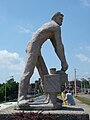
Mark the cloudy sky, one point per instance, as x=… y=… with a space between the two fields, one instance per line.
x=19 y=19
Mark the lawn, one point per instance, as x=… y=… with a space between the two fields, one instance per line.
x=84 y=100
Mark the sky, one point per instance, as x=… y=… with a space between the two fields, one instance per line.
x=19 y=19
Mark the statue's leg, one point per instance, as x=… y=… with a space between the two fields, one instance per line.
x=31 y=59
x=41 y=66
x=42 y=69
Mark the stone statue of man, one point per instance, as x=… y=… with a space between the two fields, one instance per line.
x=52 y=31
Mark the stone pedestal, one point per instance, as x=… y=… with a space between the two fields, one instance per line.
x=67 y=113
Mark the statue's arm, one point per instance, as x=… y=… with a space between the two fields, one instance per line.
x=59 y=48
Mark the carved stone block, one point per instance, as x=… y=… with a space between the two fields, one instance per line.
x=53 y=83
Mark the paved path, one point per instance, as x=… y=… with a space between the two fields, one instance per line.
x=84 y=95
x=83 y=106
x=6 y=105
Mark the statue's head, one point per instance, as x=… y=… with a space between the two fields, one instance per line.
x=58 y=18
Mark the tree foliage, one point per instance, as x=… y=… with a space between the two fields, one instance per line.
x=85 y=83
x=11 y=87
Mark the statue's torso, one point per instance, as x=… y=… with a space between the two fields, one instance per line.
x=42 y=34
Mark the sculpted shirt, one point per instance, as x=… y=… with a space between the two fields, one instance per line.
x=47 y=31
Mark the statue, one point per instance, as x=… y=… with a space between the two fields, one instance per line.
x=52 y=31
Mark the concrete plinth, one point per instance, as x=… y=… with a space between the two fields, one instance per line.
x=67 y=113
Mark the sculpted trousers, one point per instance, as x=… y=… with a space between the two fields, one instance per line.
x=33 y=58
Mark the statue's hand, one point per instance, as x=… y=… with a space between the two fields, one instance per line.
x=64 y=67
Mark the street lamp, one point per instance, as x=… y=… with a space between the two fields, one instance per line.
x=6 y=88
x=81 y=87
x=75 y=82
x=84 y=81
x=5 y=92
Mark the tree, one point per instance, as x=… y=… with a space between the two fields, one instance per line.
x=85 y=83
x=11 y=90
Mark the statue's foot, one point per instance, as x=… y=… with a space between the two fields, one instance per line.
x=22 y=102
x=47 y=99
x=57 y=106
x=22 y=105
x=30 y=100
x=21 y=98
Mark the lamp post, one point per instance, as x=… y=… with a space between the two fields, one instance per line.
x=75 y=82
x=5 y=92
x=84 y=87
x=81 y=87
x=6 y=88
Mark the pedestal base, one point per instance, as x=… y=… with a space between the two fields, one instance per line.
x=42 y=106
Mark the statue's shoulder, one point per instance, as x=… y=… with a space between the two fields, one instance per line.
x=49 y=25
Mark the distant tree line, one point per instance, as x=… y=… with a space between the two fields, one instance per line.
x=11 y=88
x=85 y=83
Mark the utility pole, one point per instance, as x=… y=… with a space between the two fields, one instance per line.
x=5 y=92
x=84 y=87
x=75 y=82
x=81 y=87
x=6 y=89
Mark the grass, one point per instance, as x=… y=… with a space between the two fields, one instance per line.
x=83 y=100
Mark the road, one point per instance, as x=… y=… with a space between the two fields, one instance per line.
x=84 y=95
